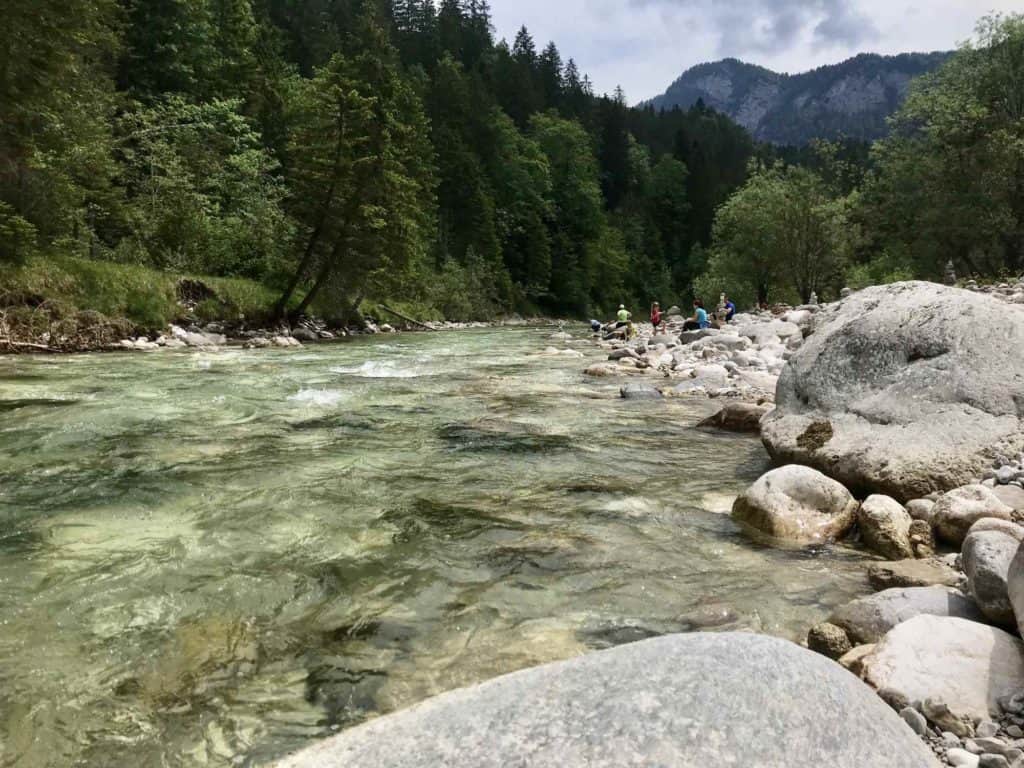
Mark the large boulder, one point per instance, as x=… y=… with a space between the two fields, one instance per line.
x=869 y=619
x=955 y=512
x=965 y=665
x=797 y=504
x=885 y=527
x=903 y=389
x=988 y=552
x=1015 y=587
x=677 y=701
x=737 y=417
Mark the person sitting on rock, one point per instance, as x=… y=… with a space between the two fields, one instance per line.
x=699 y=319
x=730 y=310
x=656 y=318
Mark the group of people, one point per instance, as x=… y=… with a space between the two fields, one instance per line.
x=700 y=319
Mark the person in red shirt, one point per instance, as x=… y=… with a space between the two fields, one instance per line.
x=656 y=316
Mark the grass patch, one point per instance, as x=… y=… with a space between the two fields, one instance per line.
x=148 y=298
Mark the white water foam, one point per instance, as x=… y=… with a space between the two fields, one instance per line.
x=381 y=369
x=318 y=397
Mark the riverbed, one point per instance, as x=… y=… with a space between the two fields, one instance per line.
x=215 y=558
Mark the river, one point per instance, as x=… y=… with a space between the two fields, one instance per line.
x=214 y=558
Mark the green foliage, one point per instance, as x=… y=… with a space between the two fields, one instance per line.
x=949 y=181
x=338 y=152
x=782 y=235
x=17 y=237
x=206 y=197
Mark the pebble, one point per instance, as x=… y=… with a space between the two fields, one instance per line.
x=915 y=720
x=962 y=759
x=986 y=729
x=1005 y=475
x=990 y=745
x=951 y=740
x=993 y=761
x=1015 y=732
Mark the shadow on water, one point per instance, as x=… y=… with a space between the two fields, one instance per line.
x=502 y=437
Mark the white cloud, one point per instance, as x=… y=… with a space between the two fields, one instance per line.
x=645 y=44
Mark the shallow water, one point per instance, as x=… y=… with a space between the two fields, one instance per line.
x=217 y=558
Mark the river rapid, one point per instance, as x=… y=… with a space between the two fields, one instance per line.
x=215 y=558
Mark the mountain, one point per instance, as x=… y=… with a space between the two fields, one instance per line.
x=851 y=99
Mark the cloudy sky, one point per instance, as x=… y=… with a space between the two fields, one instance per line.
x=645 y=44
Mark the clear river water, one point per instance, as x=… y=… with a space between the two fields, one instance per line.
x=215 y=558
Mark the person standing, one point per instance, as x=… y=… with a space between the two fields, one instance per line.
x=623 y=316
x=656 y=318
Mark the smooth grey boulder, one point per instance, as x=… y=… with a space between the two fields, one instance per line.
x=797 y=504
x=987 y=555
x=764 y=333
x=921 y=509
x=955 y=512
x=668 y=341
x=305 y=334
x=621 y=354
x=674 y=702
x=903 y=389
x=688 y=337
x=640 y=392
x=1015 y=587
x=1011 y=495
x=963 y=664
x=913 y=573
x=885 y=527
x=737 y=417
x=868 y=619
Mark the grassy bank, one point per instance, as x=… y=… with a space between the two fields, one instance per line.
x=148 y=299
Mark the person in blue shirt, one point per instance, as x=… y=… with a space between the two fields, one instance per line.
x=699 y=319
x=701 y=314
x=730 y=309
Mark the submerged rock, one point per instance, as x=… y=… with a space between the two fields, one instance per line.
x=797 y=504
x=913 y=573
x=681 y=700
x=640 y=392
x=903 y=389
x=737 y=417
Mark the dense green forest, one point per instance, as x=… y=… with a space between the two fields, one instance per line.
x=340 y=152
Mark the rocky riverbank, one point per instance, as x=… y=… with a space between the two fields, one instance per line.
x=894 y=418
x=897 y=423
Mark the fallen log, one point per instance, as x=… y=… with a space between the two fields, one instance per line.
x=404 y=317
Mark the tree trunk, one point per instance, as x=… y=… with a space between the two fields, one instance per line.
x=321 y=280
x=307 y=257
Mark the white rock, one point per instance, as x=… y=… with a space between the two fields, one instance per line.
x=797 y=504
x=964 y=664
x=955 y=512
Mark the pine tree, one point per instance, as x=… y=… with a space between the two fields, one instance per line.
x=549 y=69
